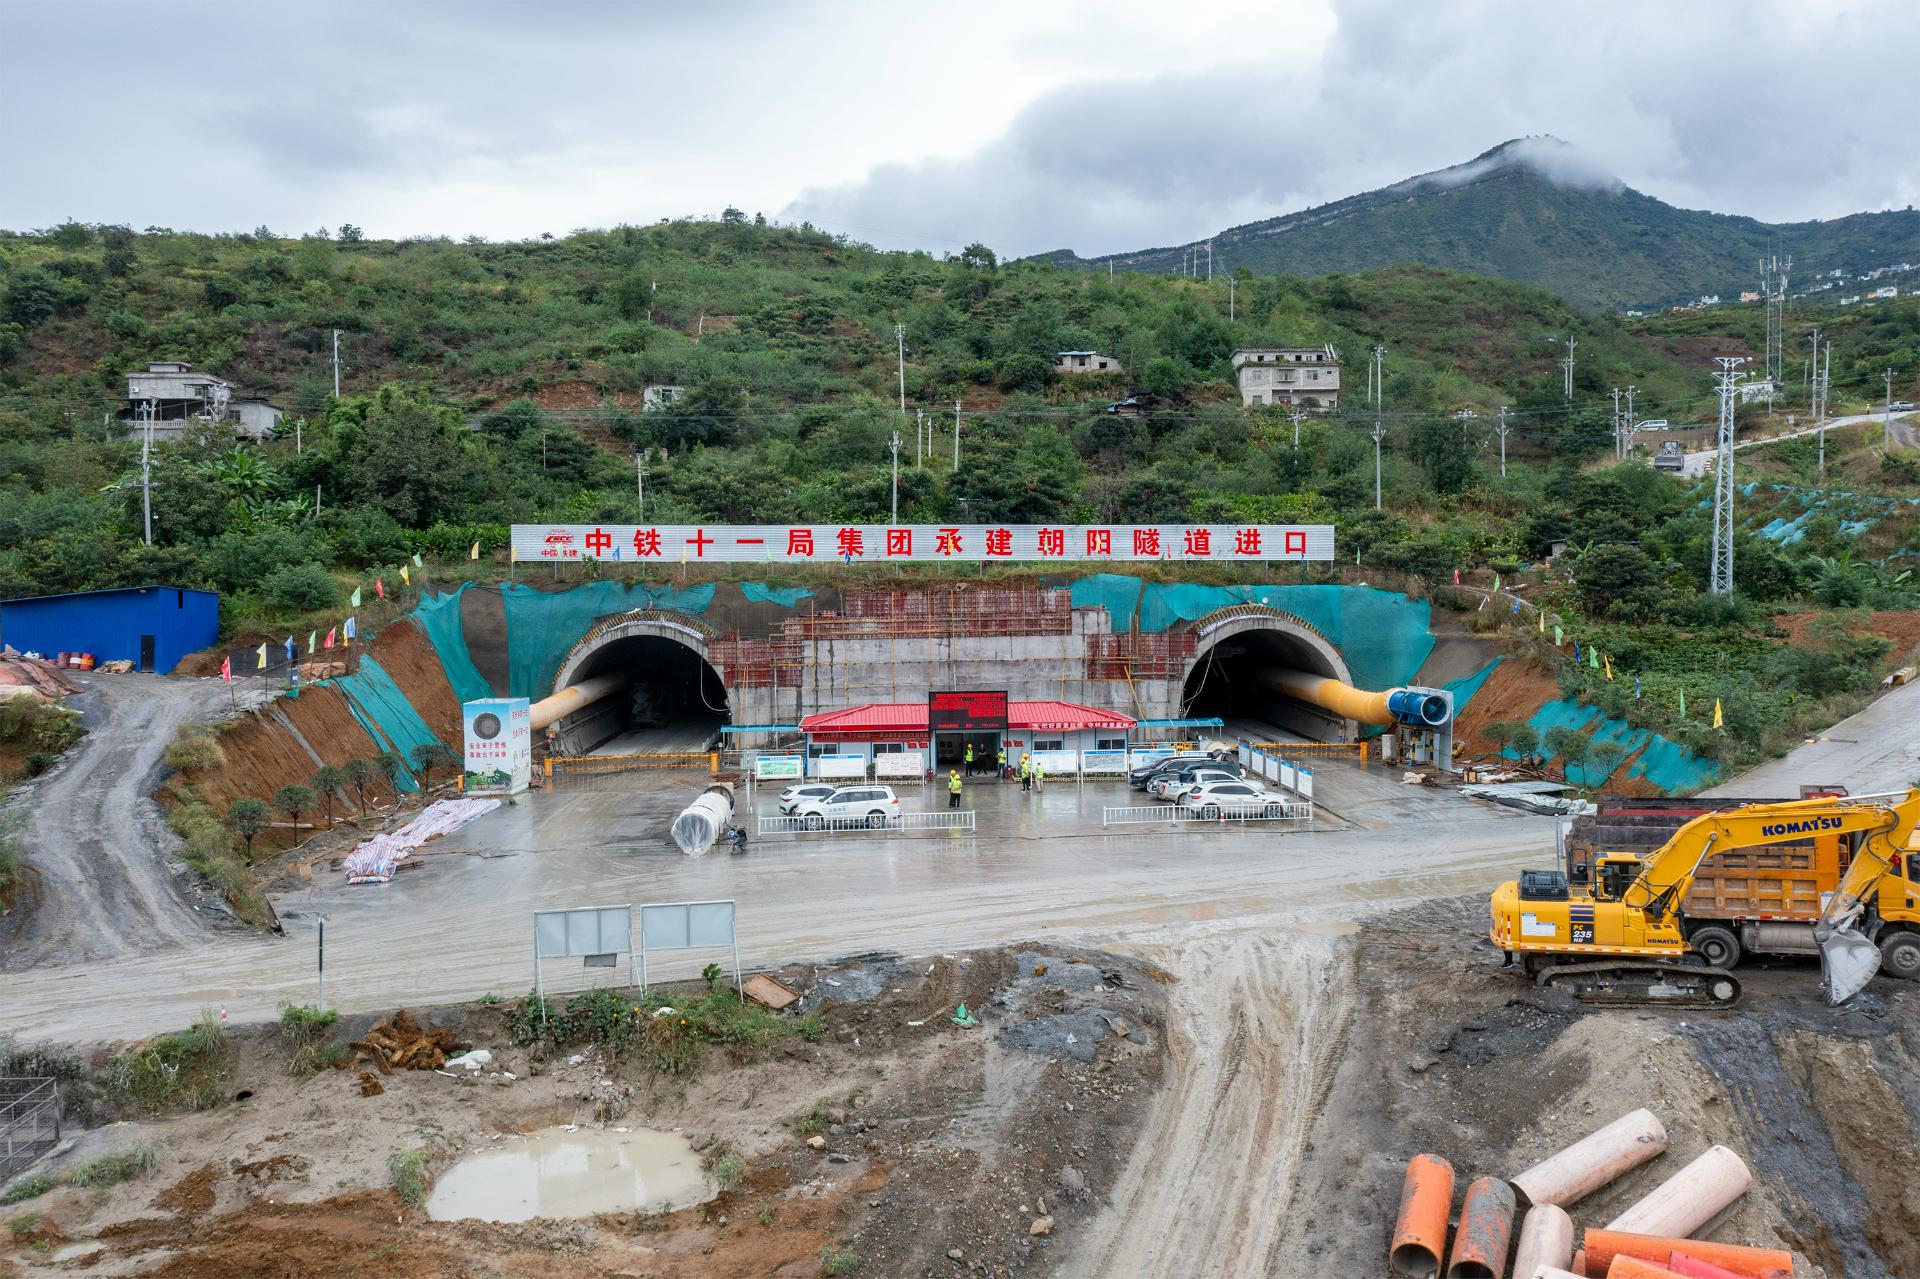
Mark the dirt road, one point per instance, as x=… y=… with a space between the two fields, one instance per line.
x=108 y=883
x=1257 y=1028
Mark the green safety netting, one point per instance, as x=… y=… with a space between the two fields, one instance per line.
x=1395 y=630
x=543 y=625
x=384 y=711
x=785 y=596
x=438 y=616
x=1463 y=689
x=1665 y=763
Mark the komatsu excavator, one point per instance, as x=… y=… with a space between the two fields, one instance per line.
x=1622 y=939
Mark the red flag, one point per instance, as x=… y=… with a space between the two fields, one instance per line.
x=226 y=668
x=1456 y=577
x=379 y=588
x=329 y=643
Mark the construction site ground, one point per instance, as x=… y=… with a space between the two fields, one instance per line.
x=1303 y=1011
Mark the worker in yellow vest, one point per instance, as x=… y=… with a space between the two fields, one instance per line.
x=1000 y=764
x=953 y=789
x=969 y=759
x=1039 y=773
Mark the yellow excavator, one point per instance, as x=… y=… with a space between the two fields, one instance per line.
x=1623 y=937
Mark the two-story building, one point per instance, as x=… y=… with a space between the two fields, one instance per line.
x=174 y=394
x=1086 y=362
x=1306 y=376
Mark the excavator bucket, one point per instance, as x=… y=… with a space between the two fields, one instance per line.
x=1848 y=962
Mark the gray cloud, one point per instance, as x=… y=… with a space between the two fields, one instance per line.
x=1680 y=101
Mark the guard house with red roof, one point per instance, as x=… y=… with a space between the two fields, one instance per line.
x=940 y=729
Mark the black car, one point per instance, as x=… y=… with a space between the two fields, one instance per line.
x=1139 y=777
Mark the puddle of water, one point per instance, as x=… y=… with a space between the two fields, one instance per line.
x=572 y=1174
x=1338 y=928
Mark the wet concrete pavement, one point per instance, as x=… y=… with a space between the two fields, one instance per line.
x=1870 y=753
x=459 y=926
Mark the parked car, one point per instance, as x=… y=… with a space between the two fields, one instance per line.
x=1174 y=783
x=800 y=792
x=849 y=806
x=1234 y=798
x=1144 y=773
x=1901 y=406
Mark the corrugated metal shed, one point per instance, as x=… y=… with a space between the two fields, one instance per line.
x=910 y=718
x=151 y=626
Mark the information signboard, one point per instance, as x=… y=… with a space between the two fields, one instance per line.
x=966 y=712
x=499 y=746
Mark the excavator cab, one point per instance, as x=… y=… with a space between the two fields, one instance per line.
x=1613 y=875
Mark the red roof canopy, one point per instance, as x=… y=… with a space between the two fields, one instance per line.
x=909 y=719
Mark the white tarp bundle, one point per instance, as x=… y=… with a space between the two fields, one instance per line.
x=376 y=860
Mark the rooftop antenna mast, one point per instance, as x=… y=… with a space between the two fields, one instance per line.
x=1720 y=581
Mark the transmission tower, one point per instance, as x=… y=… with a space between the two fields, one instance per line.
x=1720 y=580
x=1773 y=289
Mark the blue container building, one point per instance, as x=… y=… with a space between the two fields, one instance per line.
x=150 y=626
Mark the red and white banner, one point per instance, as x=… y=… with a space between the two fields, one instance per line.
x=861 y=543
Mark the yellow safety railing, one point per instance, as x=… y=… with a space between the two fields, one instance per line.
x=1321 y=750
x=601 y=765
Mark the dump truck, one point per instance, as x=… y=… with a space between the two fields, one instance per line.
x=1623 y=932
x=1743 y=901
x=1671 y=457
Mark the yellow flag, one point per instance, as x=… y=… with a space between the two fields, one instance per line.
x=1608 y=662
x=1543 y=621
x=474 y=554
x=263 y=657
x=405 y=577
x=1717 y=722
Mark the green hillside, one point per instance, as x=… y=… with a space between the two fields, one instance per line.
x=1500 y=216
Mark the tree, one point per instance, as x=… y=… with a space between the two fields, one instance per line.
x=428 y=756
x=362 y=773
x=979 y=255
x=247 y=818
x=1500 y=733
x=394 y=765
x=1572 y=746
x=1607 y=756
x=1622 y=581
x=1444 y=449
x=1023 y=373
x=708 y=414
x=413 y=458
x=1524 y=742
x=300 y=588
x=326 y=780
x=294 y=799
x=733 y=217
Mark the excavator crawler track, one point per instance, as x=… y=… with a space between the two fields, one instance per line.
x=1649 y=983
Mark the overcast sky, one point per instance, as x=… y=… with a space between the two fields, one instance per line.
x=1099 y=127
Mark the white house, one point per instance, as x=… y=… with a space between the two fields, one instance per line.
x=1086 y=362
x=1307 y=376
x=173 y=394
x=658 y=395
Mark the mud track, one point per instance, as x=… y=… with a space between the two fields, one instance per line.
x=107 y=881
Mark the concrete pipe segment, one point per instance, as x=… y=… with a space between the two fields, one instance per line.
x=1593 y=1161
x=1420 y=707
x=701 y=822
x=551 y=710
x=1689 y=1199
x=1546 y=1239
x=1420 y=1235
x=1749 y=1263
x=1486 y=1227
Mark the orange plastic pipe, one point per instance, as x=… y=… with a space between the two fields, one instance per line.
x=1693 y=1268
x=1625 y=1267
x=1486 y=1226
x=1749 y=1263
x=1420 y=1235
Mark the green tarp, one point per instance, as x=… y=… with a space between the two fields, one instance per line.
x=384 y=711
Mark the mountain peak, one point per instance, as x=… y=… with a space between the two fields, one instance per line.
x=1555 y=159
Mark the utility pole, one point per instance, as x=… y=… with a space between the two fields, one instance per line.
x=1617 y=452
x=1230 y=283
x=919 y=436
x=1379 y=433
x=1296 y=415
x=1626 y=434
x=900 y=347
x=640 y=480
x=1379 y=375
x=336 y=364
x=1501 y=431
x=1773 y=290
x=1886 y=431
x=1567 y=364
x=1721 y=576
x=146 y=467
x=956 y=436
x=1209 y=261
x=1813 y=369
x=894 y=518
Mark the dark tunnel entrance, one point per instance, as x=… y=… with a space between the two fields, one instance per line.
x=673 y=700
x=1230 y=680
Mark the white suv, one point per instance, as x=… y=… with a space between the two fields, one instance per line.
x=800 y=792
x=1235 y=797
x=870 y=806
x=1173 y=785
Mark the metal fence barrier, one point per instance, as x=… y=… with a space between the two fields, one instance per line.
x=1172 y=814
x=566 y=766
x=29 y=1122
x=1309 y=750
x=944 y=819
